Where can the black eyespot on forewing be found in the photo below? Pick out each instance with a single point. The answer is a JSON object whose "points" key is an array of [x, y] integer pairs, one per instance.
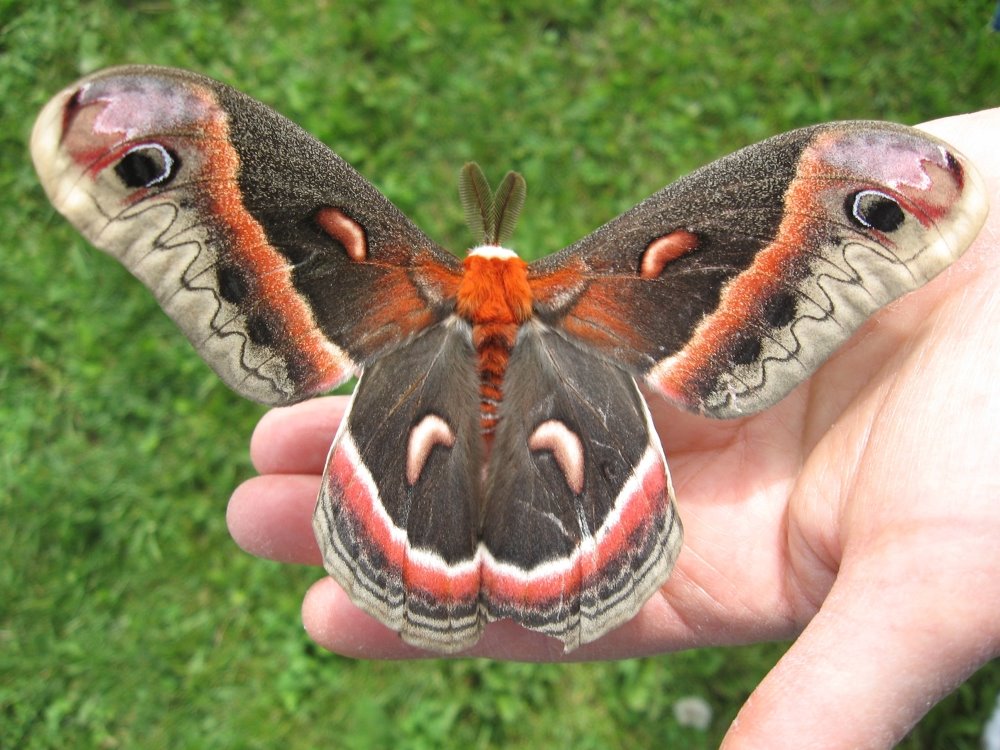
{"points": [[871, 209], [147, 166]]}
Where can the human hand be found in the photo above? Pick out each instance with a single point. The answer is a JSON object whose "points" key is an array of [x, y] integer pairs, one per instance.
{"points": [[859, 516]]}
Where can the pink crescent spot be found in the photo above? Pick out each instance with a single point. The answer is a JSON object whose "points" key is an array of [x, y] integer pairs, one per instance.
{"points": [[430, 431], [565, 446], [345, 230], [664, 249]]}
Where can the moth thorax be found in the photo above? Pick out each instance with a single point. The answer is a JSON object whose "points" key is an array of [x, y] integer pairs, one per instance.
{"points": [[494, 287]]}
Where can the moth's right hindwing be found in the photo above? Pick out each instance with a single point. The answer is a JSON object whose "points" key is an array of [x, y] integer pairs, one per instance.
{"points": [[579, 525], [284, 267]]}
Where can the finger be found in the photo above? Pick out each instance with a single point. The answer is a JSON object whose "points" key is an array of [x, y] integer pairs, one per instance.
{"points": [[337, 625], [879, 652], [271, 517], [972, 134], [296, 439]]}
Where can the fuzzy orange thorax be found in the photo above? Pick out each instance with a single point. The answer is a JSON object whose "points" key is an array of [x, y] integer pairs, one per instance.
{"points": [[494, 290]]}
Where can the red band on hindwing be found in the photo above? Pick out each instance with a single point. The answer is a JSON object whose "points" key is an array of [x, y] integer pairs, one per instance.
{"points": [[637, 527], [633, 522], [360, 502]]}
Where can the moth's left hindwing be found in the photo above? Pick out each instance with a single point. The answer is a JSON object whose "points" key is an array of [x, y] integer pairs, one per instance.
{"points": [[263, 245], [398, 517]]}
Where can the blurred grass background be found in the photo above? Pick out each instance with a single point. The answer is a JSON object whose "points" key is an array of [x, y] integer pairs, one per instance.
{"points": [[128, 619]]}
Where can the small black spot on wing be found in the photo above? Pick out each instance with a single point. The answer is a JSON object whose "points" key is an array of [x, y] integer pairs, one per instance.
{"points": [[779, 309], [744, 349], [261, 331], [233, 284]]}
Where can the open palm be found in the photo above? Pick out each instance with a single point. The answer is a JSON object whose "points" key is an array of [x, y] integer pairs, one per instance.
{"points": [[861, 516]]}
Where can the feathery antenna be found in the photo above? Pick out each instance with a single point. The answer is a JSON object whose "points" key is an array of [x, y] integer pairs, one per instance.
{"points": [[490, 216]]}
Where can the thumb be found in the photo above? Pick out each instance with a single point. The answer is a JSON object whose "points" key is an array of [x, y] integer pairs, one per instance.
{"points": [[872, 662]]}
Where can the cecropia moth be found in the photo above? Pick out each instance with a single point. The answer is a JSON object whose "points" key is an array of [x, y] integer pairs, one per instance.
{"points": [[497, 460]]}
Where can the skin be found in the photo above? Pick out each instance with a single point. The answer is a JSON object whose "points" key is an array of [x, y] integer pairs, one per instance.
{"points": [[859, 517]]}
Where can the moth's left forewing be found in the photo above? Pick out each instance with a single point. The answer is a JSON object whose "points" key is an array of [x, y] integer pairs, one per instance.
{"points": [[732, 285], [285, 268]]}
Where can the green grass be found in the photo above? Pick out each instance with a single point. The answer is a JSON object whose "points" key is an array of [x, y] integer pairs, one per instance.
{"points": [[127, 617]]}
